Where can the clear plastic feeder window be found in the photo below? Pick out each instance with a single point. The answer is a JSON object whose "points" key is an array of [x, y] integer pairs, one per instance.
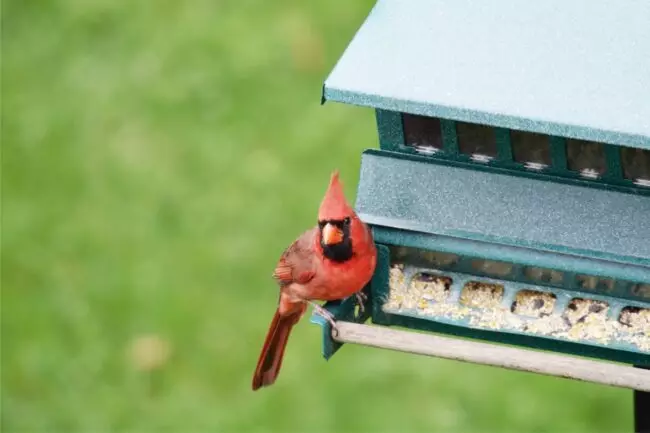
{"points": [[399, 254], [636, 165], [423, 258], [439, 260], [542, 275], [530, 149], [476, 140], [422, 133], [586, 157], [490, 267], [588, 282], [641, 290]]}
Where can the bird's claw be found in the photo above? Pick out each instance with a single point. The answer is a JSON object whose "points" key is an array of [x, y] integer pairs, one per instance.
{"points": [[326, 315], [361, 299]]}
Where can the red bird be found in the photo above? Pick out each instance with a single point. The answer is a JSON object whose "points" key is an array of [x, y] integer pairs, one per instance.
{"points": [[333, 260]]}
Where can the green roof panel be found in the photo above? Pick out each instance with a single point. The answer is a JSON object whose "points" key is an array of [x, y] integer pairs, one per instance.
{"points": [[578, 69]]}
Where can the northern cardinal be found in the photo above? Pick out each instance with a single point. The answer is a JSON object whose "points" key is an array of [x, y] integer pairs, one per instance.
{"points": [[332, 261]]}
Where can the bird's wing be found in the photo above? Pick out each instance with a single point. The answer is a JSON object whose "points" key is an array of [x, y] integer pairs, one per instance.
{"points": [[297, 262]]}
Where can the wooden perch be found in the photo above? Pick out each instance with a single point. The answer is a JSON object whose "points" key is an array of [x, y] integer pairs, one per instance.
{"points": [[570, 367]]}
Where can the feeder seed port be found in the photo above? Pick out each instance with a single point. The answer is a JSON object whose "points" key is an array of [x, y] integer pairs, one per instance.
{"points": [[427, 294]]}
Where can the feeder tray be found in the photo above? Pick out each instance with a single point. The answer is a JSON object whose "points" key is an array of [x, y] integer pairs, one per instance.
{"points": [[502, 212]]}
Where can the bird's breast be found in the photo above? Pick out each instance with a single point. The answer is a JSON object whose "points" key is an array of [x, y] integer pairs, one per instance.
{"points": [[341, 280]]}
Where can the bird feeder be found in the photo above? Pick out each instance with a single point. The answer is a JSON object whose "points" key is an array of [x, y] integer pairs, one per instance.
{"points": [[509, 196]]}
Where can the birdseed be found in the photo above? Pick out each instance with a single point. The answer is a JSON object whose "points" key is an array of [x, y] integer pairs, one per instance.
{"points": [[636, 319], [428, 294], [481, 295], [431, 287], [587, 320], [549, 325], [397, 283], [582, 310], [533, 303], [496, 318]]}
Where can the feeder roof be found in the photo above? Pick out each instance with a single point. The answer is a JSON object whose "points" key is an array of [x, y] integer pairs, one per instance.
{"points": [[578, 69]]}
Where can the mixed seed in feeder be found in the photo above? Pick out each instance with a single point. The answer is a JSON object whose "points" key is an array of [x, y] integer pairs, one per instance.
{"points": [[429, 294], [584, 310], [587, 319], [481, 295], [431, 287], [533, 303], [637, 320]]}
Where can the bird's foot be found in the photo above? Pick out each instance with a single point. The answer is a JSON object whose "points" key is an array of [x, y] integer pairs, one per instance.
{"points": [[325, 314], [361, 299]]}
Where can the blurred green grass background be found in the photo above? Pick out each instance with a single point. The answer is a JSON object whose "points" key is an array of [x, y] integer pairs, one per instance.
{"points": [[157, 158]]}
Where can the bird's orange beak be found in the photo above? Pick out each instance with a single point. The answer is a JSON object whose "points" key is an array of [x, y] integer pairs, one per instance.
{"points": [[332, 234]]}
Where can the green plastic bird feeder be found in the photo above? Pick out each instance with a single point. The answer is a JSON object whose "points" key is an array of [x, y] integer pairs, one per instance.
{"points": [[510, 194]]}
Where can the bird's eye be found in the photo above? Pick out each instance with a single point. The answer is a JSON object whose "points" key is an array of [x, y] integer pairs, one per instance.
{"points": [[346, 221]]}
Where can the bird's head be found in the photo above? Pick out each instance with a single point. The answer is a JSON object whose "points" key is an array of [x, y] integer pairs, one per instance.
{"points": [[337, 222]]}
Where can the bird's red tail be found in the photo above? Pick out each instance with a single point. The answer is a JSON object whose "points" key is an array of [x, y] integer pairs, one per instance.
{"points": [[270, 361]]}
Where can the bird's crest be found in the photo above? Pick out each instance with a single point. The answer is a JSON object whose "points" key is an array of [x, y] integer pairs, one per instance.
{"points": [[334, 205]]}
